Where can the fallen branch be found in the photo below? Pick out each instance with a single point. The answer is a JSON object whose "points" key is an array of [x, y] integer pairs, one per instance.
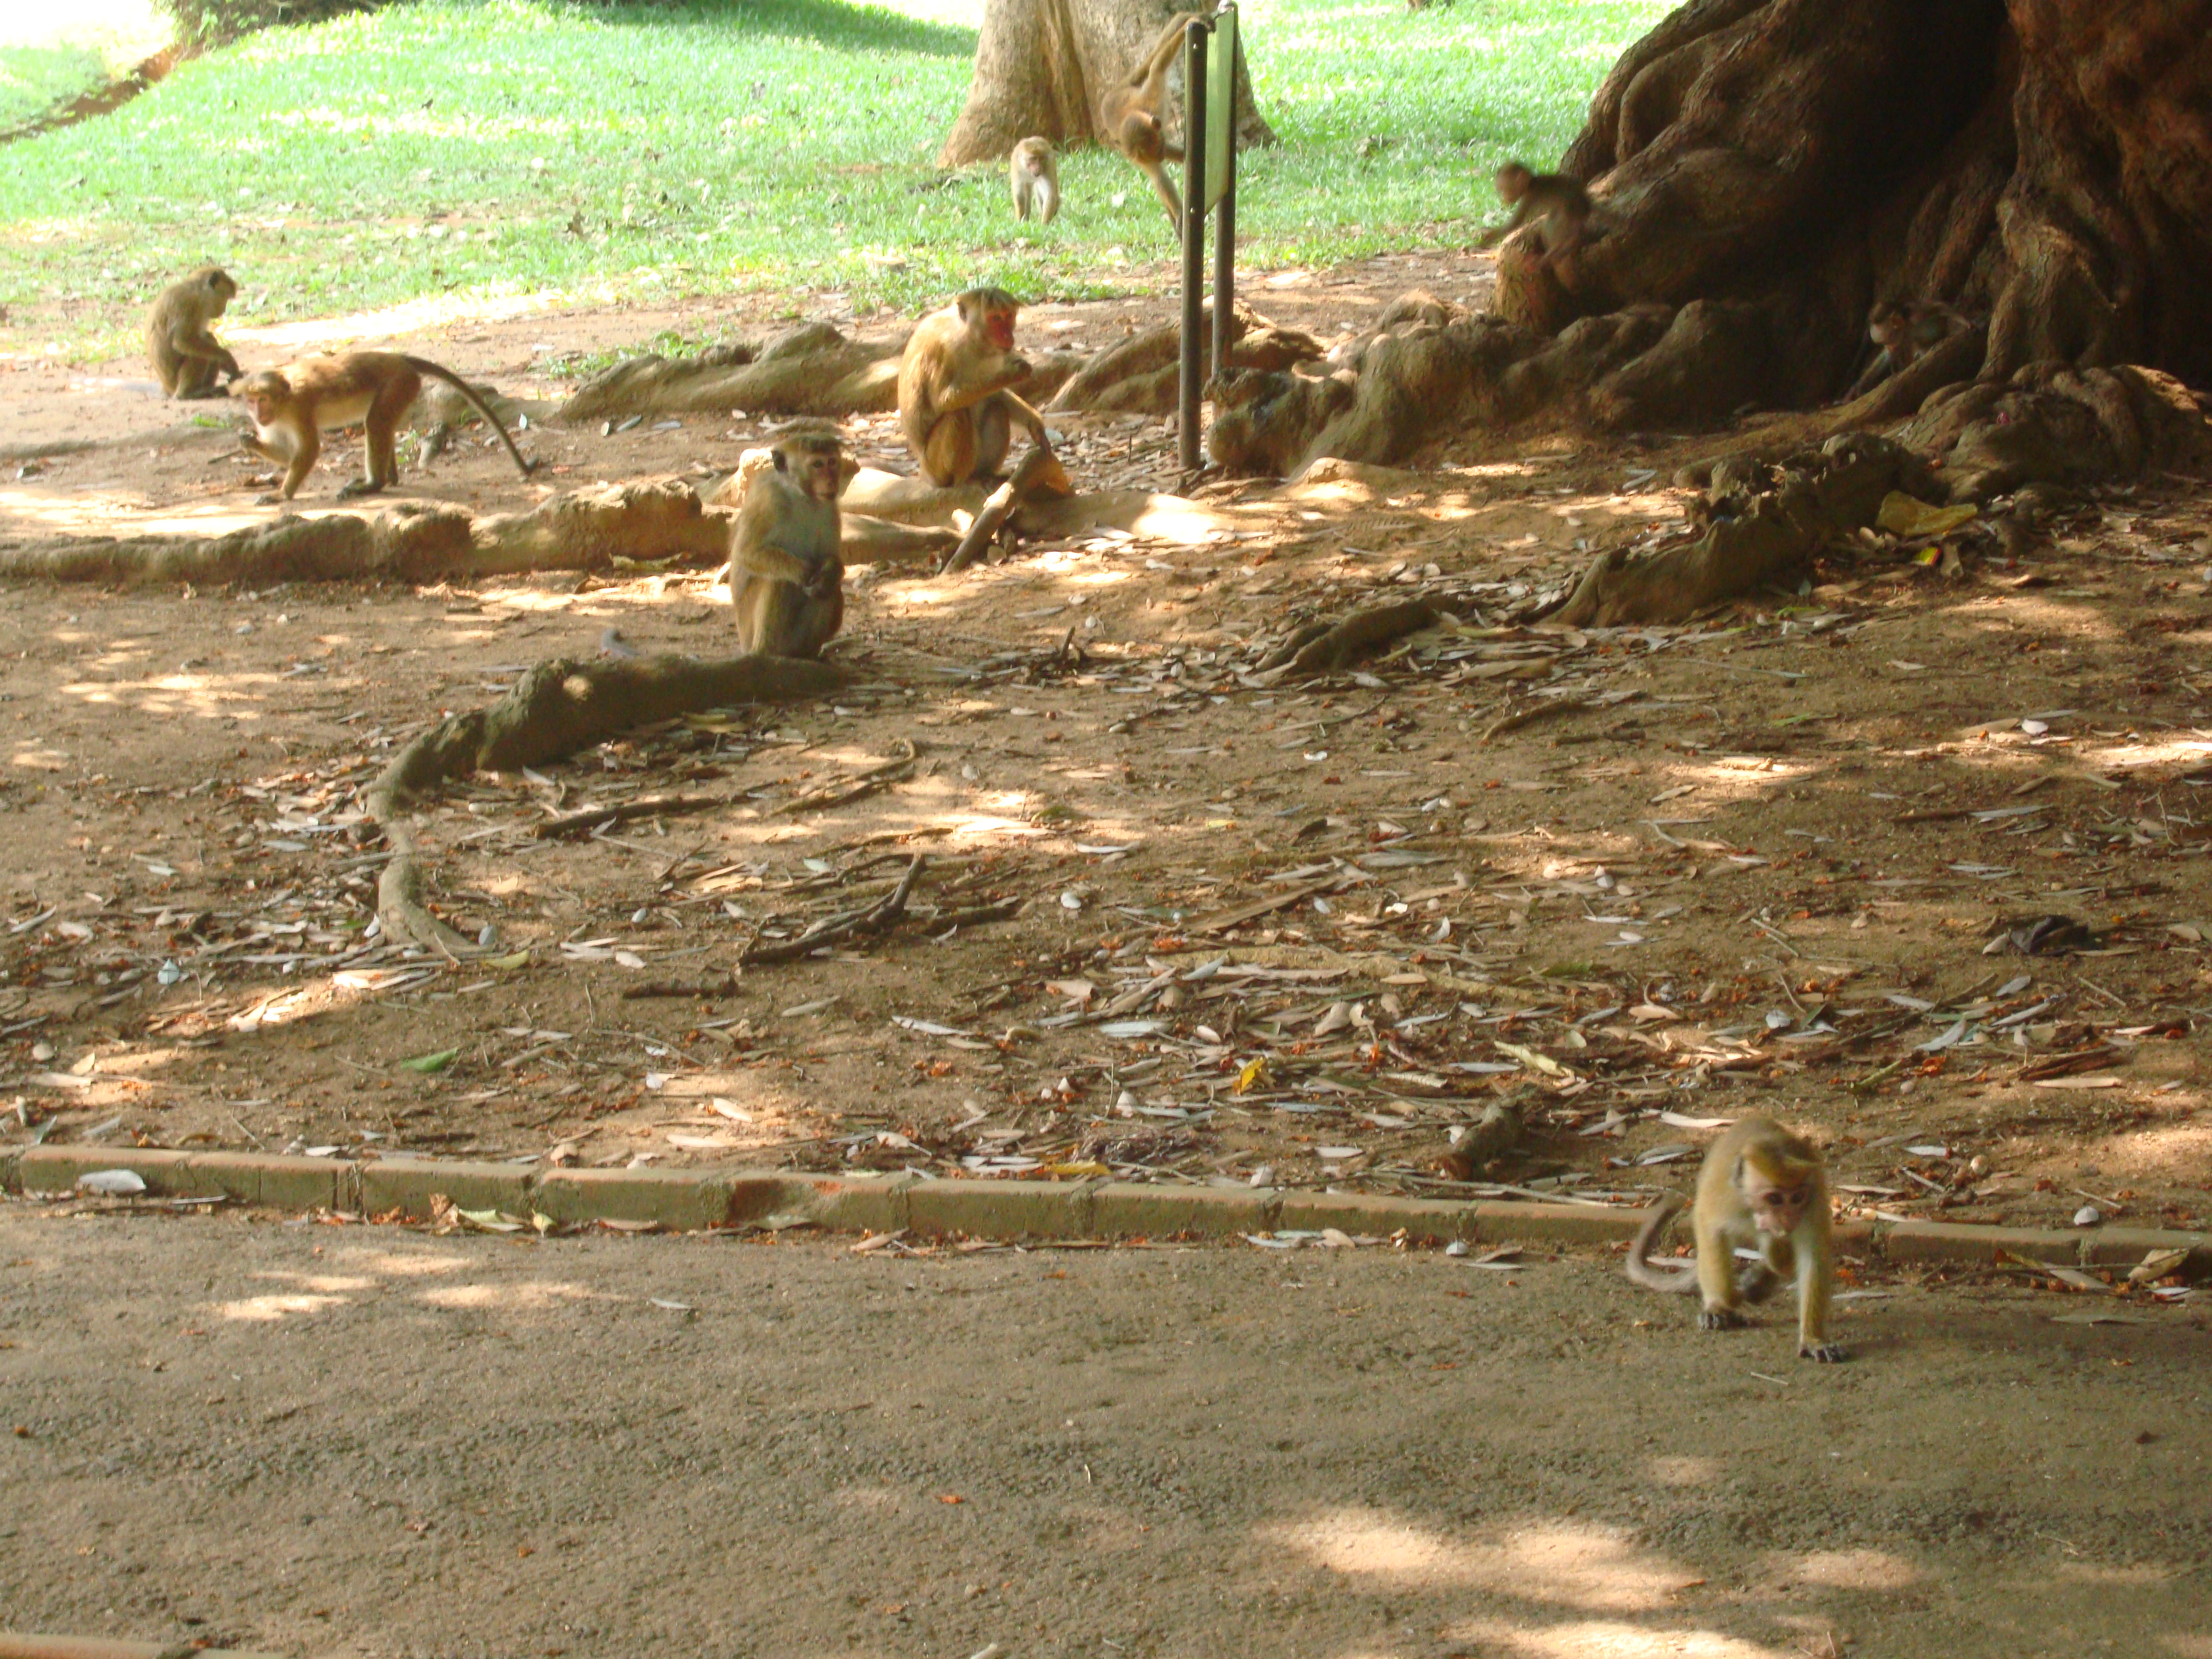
{"points": [[645, 807], [1520, 718], [875, 919], [852, 789], [999, 507], [1360, 635], [705, 988]]}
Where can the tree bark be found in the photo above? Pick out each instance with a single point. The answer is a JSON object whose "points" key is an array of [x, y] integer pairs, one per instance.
{"points": [[1765, 172], [1041, 65]]}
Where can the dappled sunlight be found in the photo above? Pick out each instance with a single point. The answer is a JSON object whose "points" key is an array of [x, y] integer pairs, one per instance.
{"points": [[393, 1264], [1593, 1640], [1572, 1565], [529, 1296], [270, 1310], [1844, 1570], [1674, 1471], [433, 311], [202, 697]]}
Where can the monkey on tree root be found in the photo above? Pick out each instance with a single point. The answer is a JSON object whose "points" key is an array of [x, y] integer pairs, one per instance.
{"points": [[1557, 202], [1902, 333], [1762, 1187], [184, 351], [1033, 175], [787, 582], [956, 402], [292, 406], [1131, 112]]}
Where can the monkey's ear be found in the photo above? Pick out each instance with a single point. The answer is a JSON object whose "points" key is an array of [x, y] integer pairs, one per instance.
{"points": [[966, 306], [782, 465]]}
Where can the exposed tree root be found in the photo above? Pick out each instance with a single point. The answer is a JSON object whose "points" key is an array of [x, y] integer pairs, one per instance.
{"points": [[1324, 648], [556, 709], [813, 370], [1759, 531], [1139, 376], [1035, 467], [650, 519]]}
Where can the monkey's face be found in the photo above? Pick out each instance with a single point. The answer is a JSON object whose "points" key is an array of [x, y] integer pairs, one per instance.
{"points": [[998, 326], [264, 395], [819, 472], [1513, 181], [1885, 325], [220, 291], [1776, 1208]]}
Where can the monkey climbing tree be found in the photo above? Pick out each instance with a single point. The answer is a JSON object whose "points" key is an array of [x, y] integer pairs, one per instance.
{"points": [[1765, 172], [1042, 64]]}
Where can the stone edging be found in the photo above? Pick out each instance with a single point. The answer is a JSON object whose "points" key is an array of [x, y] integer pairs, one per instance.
{"points": [[687, 1199]]}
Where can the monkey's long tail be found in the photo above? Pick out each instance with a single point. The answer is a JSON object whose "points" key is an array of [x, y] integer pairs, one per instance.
{"points": [[1675, 1279], [424, 365]]}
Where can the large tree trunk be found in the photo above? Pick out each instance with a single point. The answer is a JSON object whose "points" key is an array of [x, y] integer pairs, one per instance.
{"points": [[2033, 176], [1765, 172], [1041, 65]]}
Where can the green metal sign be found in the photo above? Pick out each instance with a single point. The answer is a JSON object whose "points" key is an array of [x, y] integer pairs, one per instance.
{"points": [[1220, 107]]}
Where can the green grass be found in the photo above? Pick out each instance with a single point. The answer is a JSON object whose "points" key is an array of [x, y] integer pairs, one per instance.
{"points": [[596, 154], [50, 53]]}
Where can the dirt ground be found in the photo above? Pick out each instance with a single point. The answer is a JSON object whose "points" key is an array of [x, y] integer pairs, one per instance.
{"points": [[360, 1440], [1783, 857]]}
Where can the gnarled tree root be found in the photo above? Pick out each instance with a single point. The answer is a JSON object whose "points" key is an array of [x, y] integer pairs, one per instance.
{"points": [[556, 709], [650, 519], [1757, 534], [1325, 647], [813, 370]]}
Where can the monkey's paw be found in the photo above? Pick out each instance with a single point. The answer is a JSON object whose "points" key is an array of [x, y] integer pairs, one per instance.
{"points": [[1721, 1319], [1828, 1353], [359, 487]]}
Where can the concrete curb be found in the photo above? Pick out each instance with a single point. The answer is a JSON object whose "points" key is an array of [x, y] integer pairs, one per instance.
{"points": [[685, 1200], [18, 1646]]}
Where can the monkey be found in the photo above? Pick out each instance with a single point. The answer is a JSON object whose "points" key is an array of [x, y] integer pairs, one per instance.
{"points": [[955, 402], [1554, 200], [787, 582], [186, 357], [292, 406], [1759, 1185], [1130, 113], [1902, 333], [1033, 172]]}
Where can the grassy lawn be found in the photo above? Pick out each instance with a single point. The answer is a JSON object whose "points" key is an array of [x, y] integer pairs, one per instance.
{"points": [[580, 153], [52, 52]]}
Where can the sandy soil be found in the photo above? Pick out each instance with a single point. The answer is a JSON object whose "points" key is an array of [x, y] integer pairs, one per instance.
{"points": [[360, 1441], [1272, 934]]}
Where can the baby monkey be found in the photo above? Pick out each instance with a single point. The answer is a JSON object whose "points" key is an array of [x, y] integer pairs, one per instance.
{"points": [[1033, 175], [1558, 203], [787, 582], [184, 353], [1761, 1187], [292, 406]]}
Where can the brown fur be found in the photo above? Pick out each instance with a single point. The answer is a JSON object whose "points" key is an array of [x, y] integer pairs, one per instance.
{"points": [[292, 406], [1759, 1185], [1033, 175], [1131, 114], [1558, 203], [185, 355], [787, 581], [955, 403]]}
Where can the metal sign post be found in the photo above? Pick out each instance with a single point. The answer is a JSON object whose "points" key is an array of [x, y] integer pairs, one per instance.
{"points": [[1209, 184]]}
